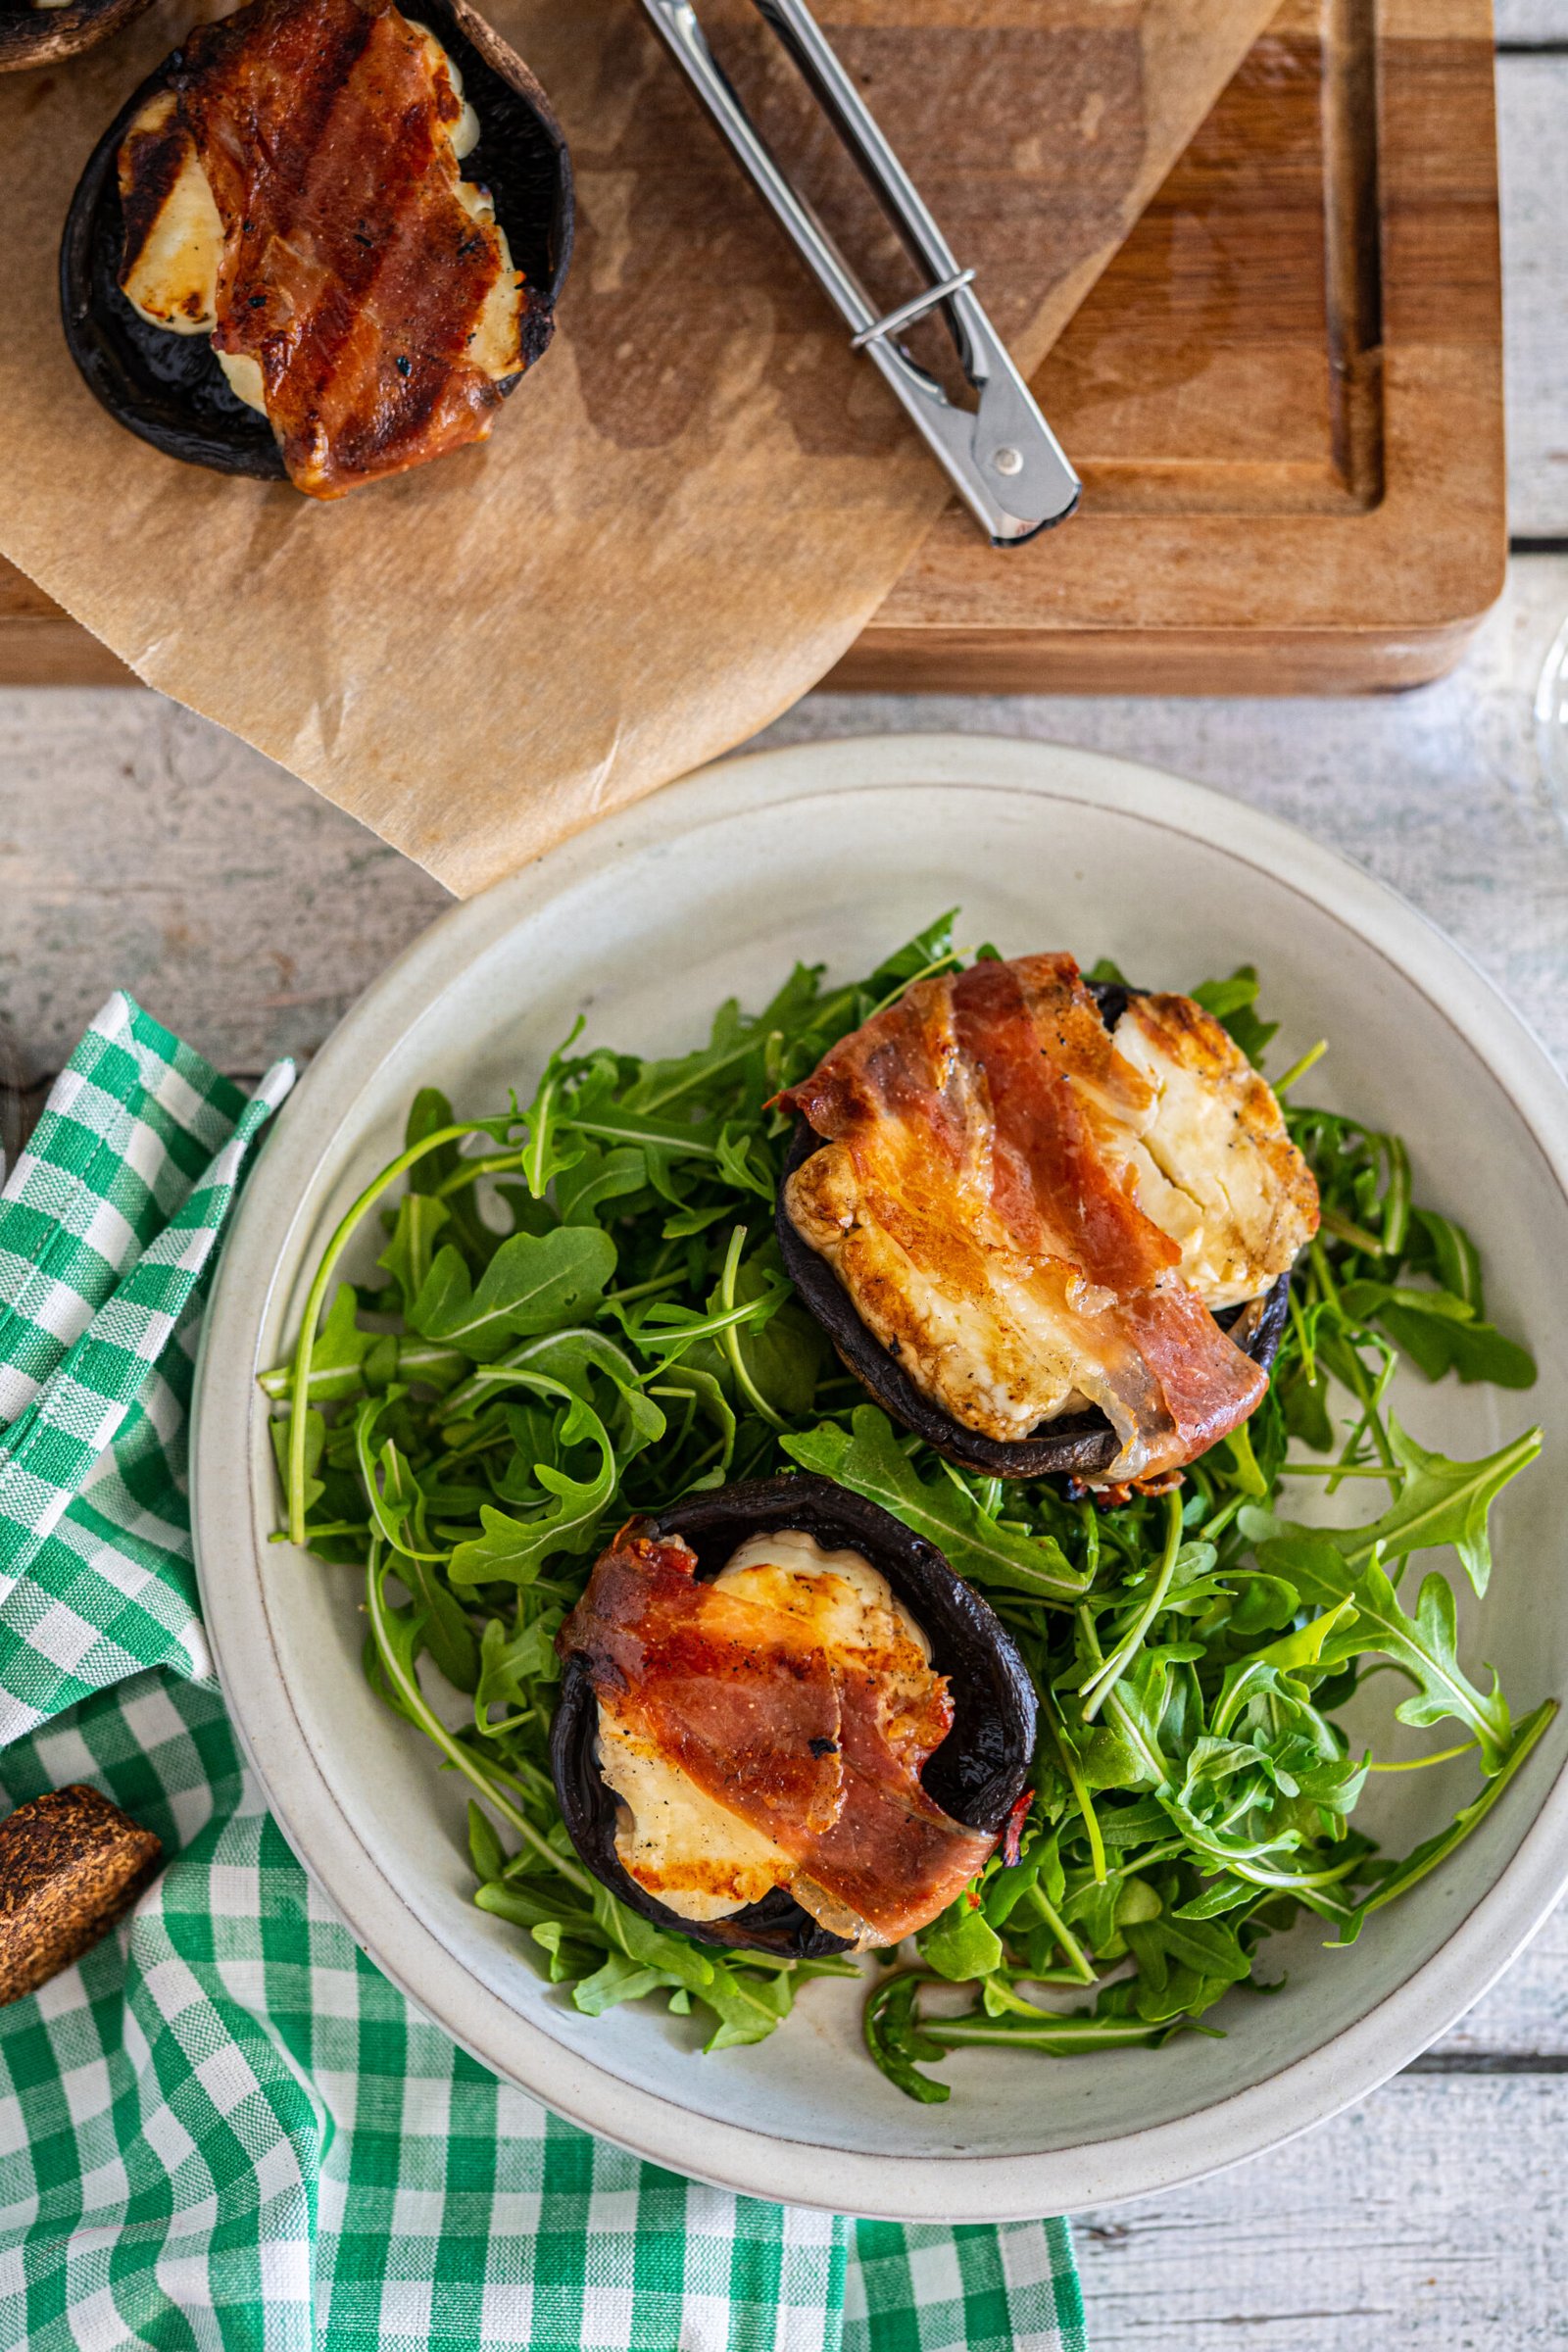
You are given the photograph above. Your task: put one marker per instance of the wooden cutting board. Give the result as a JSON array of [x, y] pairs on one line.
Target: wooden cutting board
[[1285, 398]]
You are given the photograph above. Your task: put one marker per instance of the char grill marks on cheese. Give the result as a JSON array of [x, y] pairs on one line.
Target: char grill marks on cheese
[[359, 274], [1032, 1219], [804, 1748]]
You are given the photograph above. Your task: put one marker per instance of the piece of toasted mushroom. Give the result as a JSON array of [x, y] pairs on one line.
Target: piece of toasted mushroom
[[47, 36], [977, 1773], [169, 389], [1077, 1446]]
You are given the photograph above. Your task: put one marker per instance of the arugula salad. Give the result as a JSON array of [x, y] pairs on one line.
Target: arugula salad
[[578, 1313]]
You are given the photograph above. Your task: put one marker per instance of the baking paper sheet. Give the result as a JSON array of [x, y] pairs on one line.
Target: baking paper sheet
[[690, 509]]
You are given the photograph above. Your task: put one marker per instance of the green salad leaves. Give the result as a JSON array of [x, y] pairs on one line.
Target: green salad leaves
[[577, 1311]]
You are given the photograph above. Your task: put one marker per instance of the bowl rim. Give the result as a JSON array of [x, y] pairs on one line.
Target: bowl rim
[[952, 2186]]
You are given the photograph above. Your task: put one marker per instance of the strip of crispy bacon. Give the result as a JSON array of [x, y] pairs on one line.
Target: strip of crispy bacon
[[893, 1859], [820, 1755], [351, 272], [981, 1229]]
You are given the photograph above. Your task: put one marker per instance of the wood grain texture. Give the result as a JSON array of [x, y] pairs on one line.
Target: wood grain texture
[[1522, 2024], [1283, 395], [142, 847], [1431, 2217], [41, 646], [703, 437], [1305, 326]]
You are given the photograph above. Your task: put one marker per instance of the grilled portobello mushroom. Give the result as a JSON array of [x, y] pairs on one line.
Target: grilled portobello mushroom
[[976, 1775], [46, 37], [169, 387], [1078, 1445]]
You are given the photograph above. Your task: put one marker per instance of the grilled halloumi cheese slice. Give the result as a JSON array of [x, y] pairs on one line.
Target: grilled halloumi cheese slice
[[174, 237], [1209, 1158]]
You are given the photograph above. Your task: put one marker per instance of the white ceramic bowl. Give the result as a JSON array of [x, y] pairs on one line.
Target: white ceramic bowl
[[838, 850]]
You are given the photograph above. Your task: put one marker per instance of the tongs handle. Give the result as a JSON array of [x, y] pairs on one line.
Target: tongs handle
[[1002, 457]]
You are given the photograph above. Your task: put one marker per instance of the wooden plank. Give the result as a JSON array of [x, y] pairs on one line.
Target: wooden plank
[[1429, 2219], [140, 845], [1532, 129], [1283, 395], [1532, 21]]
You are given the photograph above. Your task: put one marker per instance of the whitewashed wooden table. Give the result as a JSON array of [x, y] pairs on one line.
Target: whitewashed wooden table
[[141, 846]]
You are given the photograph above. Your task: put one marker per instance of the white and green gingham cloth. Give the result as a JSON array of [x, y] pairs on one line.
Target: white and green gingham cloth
[[225, 2131]]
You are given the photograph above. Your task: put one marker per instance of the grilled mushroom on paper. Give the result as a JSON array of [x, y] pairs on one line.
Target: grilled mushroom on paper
[[45, 32], [323, 241]]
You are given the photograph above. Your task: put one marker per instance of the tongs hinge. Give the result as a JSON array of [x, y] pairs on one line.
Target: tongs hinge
[[1001, 456]]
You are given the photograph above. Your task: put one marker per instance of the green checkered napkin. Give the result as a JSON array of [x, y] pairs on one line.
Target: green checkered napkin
[[225, 2128]]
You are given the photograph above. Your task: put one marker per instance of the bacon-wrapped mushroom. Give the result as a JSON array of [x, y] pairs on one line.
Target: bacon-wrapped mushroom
[[785, 1724], [324, 241], [1049, 1225]]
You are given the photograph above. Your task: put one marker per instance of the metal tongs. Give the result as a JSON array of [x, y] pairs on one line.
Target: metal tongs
[[1001, 456]]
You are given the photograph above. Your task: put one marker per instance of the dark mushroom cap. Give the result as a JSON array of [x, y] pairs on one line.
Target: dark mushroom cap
[[1075, 1444], [47, 36], [170, 390], [976, 1775]]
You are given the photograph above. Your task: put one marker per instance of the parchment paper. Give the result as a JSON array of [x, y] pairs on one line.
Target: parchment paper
[[693, 505]]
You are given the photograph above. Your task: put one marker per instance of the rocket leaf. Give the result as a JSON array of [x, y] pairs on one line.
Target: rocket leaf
[[535, 1282], [1441, 1501], [995, 1553], [1425, 1646]]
